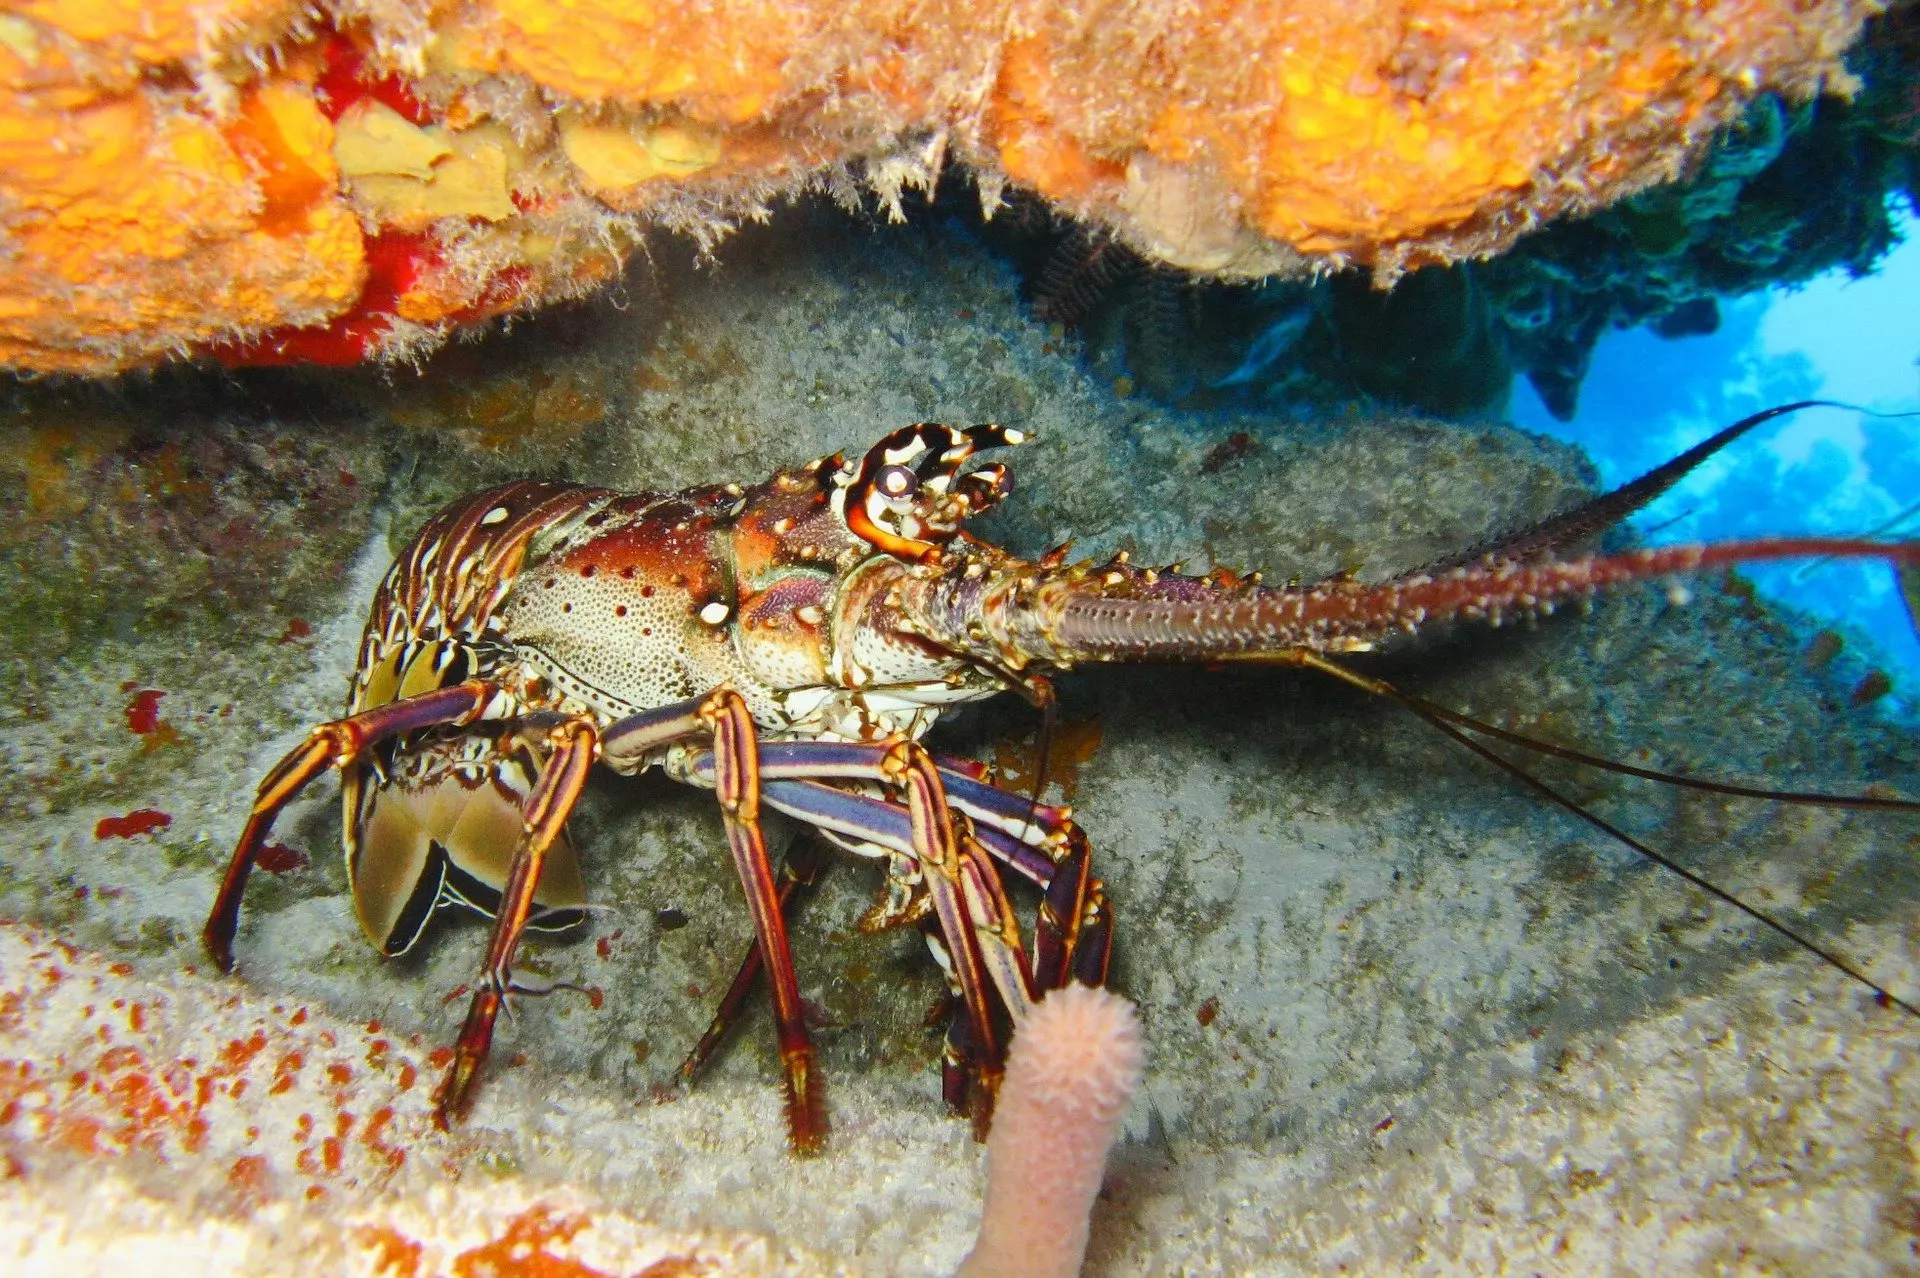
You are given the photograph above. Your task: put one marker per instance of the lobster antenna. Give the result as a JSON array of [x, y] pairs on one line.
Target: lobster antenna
[[1860, 802], [1880, 530], [1416, 706], [1595, 516]]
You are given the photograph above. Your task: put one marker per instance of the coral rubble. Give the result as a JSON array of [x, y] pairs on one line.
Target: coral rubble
[[275, 182], [198, 1120]]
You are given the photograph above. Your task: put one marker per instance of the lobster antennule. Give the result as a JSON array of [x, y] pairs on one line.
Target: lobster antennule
[[1021, 613]]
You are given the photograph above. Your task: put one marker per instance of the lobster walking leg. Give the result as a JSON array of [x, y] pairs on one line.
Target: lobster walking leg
[[1074, 936], [977, 933], [331, 745], [799, 870], [996, 928], [736, 769], [1073, 939], [1004, 958], [1023, 835], [943, 865], [574, 745]]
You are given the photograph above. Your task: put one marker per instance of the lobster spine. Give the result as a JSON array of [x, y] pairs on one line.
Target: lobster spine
[[1021, 613]]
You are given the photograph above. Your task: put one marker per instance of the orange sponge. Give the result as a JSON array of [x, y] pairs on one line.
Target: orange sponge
[[1391, 134], [214, 174], [141, 227]]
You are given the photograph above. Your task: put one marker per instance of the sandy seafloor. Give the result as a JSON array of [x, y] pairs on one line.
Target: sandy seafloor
[[1401, 1015]]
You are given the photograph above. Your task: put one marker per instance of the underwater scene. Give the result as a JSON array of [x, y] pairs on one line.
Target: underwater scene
[[791, 639]]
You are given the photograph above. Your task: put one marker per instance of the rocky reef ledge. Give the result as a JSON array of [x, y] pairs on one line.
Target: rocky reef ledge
[[271, 180]]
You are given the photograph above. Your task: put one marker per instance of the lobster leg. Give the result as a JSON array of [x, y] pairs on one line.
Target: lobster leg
[[959, 1063], [960, 850], [1023, 835], [736, 770], [976, 1057], [1074, 935], [958, 1053], [574, 745], [331, 745], [943, 866], [1073, 938], [973, 1059], [986, 901], [995, 925], [800, 869], [624, 745], [889, 824]]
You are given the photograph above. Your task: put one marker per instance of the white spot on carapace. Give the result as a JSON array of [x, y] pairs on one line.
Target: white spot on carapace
[[1678, 595], [1013, 436], [810, 614], [498, 515], [802, 702], [715, 613]]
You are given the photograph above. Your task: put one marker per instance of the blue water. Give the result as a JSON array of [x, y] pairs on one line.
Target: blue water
[[1821, 471]]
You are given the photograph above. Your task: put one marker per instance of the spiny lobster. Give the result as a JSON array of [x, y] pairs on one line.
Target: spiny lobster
[[787, 646]]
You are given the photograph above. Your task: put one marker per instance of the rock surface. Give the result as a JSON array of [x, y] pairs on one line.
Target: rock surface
[[1399, 1012]]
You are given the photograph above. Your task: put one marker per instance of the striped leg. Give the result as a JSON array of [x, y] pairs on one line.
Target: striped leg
[[958, 1053], [331, 745], [949, 872], [974, 1059], [800, 869], [1025, 837], [1074, 935], [575, 744], [1073, 938], [996, 927], [986, 832], [736, 772]]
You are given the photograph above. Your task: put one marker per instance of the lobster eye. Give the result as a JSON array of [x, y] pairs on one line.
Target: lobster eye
[[907, 497], [896, 483]]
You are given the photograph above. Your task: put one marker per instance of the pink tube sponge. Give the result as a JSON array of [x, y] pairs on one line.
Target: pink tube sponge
[[1075, 1062]]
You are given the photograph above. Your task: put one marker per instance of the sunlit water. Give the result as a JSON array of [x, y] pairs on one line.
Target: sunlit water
[[1820, 471]]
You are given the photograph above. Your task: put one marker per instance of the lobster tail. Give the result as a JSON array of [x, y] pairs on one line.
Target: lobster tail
[[1014, 613]]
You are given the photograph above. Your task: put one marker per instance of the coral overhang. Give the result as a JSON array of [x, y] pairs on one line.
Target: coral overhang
[[273, 182]]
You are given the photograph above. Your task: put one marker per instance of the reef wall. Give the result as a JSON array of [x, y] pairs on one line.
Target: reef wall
[[269, 181]]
